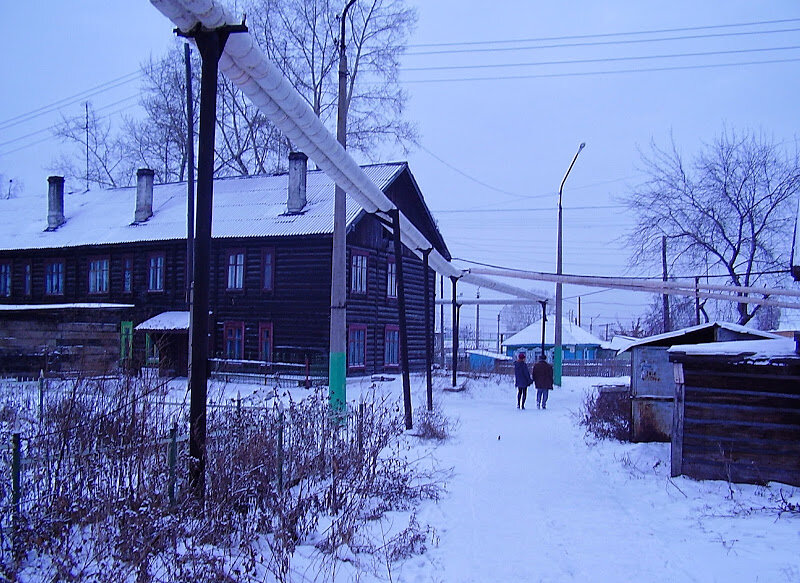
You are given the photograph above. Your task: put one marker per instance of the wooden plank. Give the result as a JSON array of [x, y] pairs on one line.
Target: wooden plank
[[784, 400], [677, 437], [704, 470], [751, 430], [743, 413]]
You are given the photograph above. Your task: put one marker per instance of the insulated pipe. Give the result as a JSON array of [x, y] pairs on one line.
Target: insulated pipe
[[264, 84]]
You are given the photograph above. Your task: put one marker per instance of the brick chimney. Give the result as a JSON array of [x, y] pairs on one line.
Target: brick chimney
[[298, 165], [55, 202], [144, 195]]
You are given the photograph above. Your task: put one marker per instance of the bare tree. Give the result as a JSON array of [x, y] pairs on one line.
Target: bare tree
[[158, 141], [99, 154], [301, 37], [519, 316], [727, 211]]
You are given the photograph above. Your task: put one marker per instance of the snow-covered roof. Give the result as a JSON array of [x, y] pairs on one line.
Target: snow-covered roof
[[489, 354], [571, 334], [253, 206], [753, 350], [618, 343], [686, 331], [166, 321], [75, 306]]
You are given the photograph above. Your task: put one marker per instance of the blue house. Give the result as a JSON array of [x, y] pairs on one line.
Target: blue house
[[577, 343]]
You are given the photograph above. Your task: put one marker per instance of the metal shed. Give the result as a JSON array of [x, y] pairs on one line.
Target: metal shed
[[652, 382]]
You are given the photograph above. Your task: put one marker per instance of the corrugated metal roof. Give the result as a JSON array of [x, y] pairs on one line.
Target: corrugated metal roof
[[252, 206]]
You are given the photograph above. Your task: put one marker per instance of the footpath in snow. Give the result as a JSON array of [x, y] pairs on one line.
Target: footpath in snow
[[533, 499]]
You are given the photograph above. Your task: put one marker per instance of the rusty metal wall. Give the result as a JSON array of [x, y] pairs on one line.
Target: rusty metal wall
[[653, 391]]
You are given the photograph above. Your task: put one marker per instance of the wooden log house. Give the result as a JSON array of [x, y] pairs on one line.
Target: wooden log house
[[79, 278]]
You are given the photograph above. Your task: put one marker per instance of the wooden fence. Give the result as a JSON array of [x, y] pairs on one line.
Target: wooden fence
[[583, 368]]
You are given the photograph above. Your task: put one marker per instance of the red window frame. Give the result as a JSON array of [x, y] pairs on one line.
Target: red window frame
[[228, 330], [268, 279], [352, 331]]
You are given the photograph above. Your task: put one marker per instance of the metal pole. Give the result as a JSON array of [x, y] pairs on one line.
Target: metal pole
[[189, 174], [401, 308], [665, 297], [428, 332], [337, 362], [210, 43], [498, 332], [441, 319], [478, 321], [454, 280], [697, 300], [557, 356], [544, 320]]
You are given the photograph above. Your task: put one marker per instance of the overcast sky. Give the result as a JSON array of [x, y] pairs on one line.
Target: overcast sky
[[493, 149]]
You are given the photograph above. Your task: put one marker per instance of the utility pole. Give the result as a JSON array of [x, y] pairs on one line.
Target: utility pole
[[665, 297], [187, 57], [498, 332], [210, 43], [86, 128], [478, 321], [544, 320], [337, 363], [557, 353]]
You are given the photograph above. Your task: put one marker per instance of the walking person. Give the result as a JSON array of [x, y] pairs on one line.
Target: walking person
[[543, 379], [522, 378]]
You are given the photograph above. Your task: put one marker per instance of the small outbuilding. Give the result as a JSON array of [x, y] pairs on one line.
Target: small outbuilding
[[737, 411], [486, 361], [652, 382]]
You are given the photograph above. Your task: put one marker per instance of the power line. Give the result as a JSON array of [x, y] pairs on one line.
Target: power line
[[598, 73], [601, 60], [108, 85], [611, 34], [604, 43]]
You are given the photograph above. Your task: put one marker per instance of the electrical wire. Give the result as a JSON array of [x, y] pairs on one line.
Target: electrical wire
[[611, 34], [604, 43]]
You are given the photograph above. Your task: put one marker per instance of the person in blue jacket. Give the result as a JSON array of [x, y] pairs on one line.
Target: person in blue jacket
[[523, 380]]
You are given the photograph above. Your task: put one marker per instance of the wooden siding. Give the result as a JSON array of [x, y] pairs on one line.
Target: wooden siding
[[738, 421], [298, 306]]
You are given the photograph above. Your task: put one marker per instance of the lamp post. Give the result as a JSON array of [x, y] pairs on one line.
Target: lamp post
[[557, 355]]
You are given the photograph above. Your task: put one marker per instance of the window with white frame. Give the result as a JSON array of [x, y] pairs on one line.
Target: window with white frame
[[268, 270], [5, 280], [358, 272], [54, 278], [357, 346], [127, 275], [235, 270], [98, 276], [391, 278], [155, 279], [391, 346]]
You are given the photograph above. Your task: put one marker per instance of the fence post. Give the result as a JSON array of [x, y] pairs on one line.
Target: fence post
[[173, 461], [41, 396], [16, 464], [280, 449], [360, 429]]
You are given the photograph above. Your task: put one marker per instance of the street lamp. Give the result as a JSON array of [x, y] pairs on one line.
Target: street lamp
[[557, 355]]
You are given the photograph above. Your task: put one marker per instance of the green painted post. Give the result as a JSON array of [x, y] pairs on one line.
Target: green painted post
[[337, 381], [557, 359], [173, 461]]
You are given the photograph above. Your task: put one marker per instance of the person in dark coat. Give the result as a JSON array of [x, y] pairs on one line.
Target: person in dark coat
[[523, 380], [543, 379]]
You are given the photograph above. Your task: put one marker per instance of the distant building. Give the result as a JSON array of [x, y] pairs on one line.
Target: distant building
[[577, 343], [98, 279]]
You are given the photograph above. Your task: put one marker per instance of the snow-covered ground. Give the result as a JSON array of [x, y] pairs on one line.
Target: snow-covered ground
[[531, 498]]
